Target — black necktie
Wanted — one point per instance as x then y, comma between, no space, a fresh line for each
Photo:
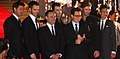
76,28
19,22
52,31
36,23
102,26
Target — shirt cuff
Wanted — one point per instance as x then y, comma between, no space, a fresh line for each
60,55
113,52
51,56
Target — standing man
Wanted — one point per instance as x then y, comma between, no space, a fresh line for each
13,31
30,26
75,35
107,42
57,9
112,17
90,21
51,38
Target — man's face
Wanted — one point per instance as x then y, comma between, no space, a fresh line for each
87,10
19,10
58,11
51,18
77,16
104,13
35,10
113,17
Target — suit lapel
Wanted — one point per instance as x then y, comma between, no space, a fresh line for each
31,21
71,27
106,25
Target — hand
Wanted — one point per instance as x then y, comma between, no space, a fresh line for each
96,54
33,56
79,37
54,56
84,36
113,55
42,25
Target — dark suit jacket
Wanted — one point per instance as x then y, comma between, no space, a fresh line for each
50,44
13,32
118,52
30,36
93,36
72,50
108,40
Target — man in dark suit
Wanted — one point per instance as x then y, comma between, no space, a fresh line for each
91,22
51,38
75,35
112,17
107,42
30,26
13,31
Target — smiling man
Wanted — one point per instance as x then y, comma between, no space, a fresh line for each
30,26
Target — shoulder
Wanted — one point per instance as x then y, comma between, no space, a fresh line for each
9,20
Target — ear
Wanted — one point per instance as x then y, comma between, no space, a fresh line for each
46,17
100,12
71,16
30,10
15,9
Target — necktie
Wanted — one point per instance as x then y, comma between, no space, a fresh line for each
36,23
102,26
52,30
76,28
19,22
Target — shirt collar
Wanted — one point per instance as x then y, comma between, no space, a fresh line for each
15,16
49,25
104,20
74,23
33,17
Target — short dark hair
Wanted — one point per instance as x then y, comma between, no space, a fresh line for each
17,4
103,7
75,9
48,11
112,12
3,45
55,4
30,5
84,4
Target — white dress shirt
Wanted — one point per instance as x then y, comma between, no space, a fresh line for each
73,23
15,16
50,27
34,21
104,21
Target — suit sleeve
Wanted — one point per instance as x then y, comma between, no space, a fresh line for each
113,37
27,32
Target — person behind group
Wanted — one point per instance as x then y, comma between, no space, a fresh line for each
13,31
3,48
107,42
90,21
51,38
30,27
57,9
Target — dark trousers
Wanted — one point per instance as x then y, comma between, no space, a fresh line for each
118,52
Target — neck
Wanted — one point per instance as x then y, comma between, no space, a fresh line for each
84,17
